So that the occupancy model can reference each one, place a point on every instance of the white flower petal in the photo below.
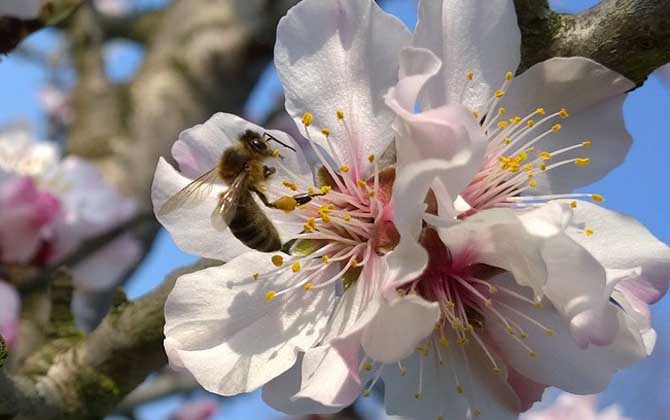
(341, 55)
(483, 390)
(10, 304)
(498, 237)
(559, 361)
(593, 95)
(398, 327)
(224, 331)
(409, 259)
(321, 381)
(635, 247)
(478, 36)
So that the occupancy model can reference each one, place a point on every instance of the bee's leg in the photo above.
(303, 198)
(263, 197)
(268, 170)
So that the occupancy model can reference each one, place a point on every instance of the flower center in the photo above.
(515, 154)
(346, 222)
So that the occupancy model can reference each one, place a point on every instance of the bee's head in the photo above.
(259, 143)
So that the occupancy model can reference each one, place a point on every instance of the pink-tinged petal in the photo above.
(202, 409)
(449, 132)
(398, 327)
(638, 248)
(593, 96)
(97, 278)
(22, 9)
(569, 407)
(456, 388)
(499, 238)
(341, 55)
(408, 260)
(222, 327)
(549, 354)
(528, 391)
(321, 381)
(25, 215)
(478, 36)
(10, 304)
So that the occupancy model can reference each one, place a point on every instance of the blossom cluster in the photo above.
(48, 206)
(468, 275)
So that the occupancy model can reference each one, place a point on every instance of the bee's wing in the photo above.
(192, 194)
(228, 203)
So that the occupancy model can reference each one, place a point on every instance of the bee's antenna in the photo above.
(271, 137)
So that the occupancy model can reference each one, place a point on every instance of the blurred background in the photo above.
(35, 83)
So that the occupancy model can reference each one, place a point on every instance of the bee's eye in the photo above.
(259, 145)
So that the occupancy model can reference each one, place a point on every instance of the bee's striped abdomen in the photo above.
(252, 227)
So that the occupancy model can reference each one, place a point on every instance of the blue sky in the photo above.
(638, 187)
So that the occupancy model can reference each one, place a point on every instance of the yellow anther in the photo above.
(354, 263)
(288, 184)
(325, 132)
(308, 286)
(511, 331)
(459, 389)
(285, 203)
(311, 191)
(508, 140)
(372, 193)
(597, 198)
(470, 75)
(549, 332)
(586, 144)
(371, 157)
(543, 167)
(307, 119)
(256, 275)
(530, 149)
(443, 342)
(501, 111)
(368, 366)
(545, 155)
(497, 371)
(325, 259)
(588, 232)
(417, 396)
(476, 412)
(563, 113)
(324, 189)
(344, 168)
(275, 153)
(346, 217)
(493, 289)
(277, 260)
(340, 115)
(528, 166)
(538, 305)
(573, 204)
(475, 114)
(515, 120)
(324, 217)
(361, 183)
(540, 111)
(366, 393)
(523, 155)
(270, 295)
(523, 335)
(530, 123)
(532, 354)
(582, 161)
(500, 93)
(509, 75)
(503, 124)
(295, 267)
(556, 128)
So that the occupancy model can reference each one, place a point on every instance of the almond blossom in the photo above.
(528, 289)
(568, 407)
(49, 206)
(266, 317)
(9, 312)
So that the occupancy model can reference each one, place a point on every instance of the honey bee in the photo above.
(242, 168)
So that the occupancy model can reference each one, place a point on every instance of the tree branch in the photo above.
(631, 37)
(90, 378)
(13, 30)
